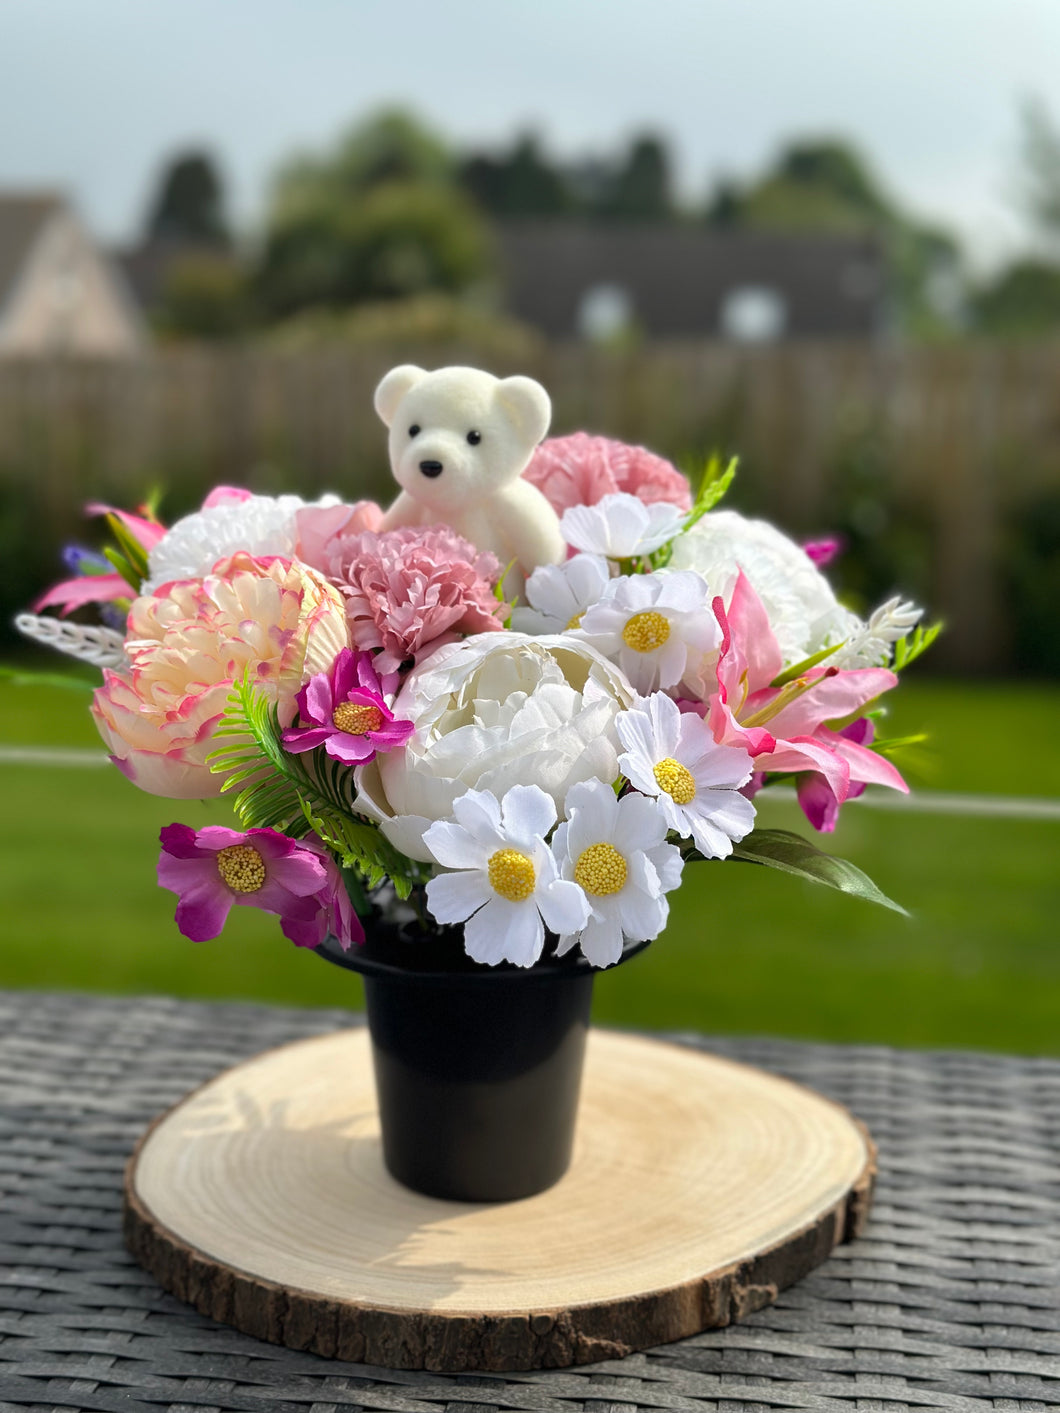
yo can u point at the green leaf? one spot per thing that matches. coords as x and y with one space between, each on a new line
124 568
804 666
887 745
791 853
132 550
909 648
713 486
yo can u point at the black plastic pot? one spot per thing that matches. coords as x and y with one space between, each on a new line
477 1069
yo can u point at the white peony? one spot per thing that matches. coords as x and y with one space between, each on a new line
803 611
260 525
497 710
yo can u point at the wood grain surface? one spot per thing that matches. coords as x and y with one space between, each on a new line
699 1188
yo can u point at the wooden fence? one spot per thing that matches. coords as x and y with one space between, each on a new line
929 453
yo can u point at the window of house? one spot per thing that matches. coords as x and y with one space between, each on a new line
754 314
605 312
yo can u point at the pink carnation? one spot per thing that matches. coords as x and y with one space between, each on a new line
409 590
581 470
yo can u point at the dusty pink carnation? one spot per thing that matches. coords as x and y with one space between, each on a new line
409 590
581 470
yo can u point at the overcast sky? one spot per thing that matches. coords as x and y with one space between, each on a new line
93 93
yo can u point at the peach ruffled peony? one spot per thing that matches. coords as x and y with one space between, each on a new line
581 470
187 643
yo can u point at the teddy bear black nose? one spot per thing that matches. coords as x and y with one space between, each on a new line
431 468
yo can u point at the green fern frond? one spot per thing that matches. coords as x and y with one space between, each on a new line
297 793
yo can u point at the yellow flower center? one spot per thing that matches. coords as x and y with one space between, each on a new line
356 720
575 622
600 870
676 779
511 874
645 632
241 867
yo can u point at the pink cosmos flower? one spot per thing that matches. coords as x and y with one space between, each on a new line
786 728
215 868
581 470
189 642
349 715
411 590
335 915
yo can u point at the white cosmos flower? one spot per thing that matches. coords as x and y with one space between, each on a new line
659 627
558 594
621 526
508 888
616 850
672 755
261 525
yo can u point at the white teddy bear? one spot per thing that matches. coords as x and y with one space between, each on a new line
459 442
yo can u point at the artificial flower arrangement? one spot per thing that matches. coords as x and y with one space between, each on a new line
525 749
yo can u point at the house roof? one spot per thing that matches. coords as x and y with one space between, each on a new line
21 220
678 277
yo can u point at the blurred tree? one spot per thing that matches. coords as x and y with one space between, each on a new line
827 186
1023 300
522 182
641 189
189 206
204 295
1041 169
381 217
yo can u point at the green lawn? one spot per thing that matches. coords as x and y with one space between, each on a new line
747 950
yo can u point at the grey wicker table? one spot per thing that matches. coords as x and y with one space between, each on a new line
951 1301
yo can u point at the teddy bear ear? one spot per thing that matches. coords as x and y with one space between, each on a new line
528 405
394 387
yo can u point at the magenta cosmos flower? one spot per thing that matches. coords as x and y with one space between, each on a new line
349 715
214 868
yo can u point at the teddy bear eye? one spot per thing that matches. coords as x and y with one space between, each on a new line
474 438
414 430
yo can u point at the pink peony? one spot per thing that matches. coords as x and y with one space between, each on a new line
189 642
581 470
409 590
317 525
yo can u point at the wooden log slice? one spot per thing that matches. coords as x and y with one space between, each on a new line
699 1189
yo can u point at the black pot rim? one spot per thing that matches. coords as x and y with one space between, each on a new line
359 958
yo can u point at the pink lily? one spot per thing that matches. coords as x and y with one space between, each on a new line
101 588
85 588
788 728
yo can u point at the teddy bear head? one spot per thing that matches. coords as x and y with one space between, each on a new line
458 434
